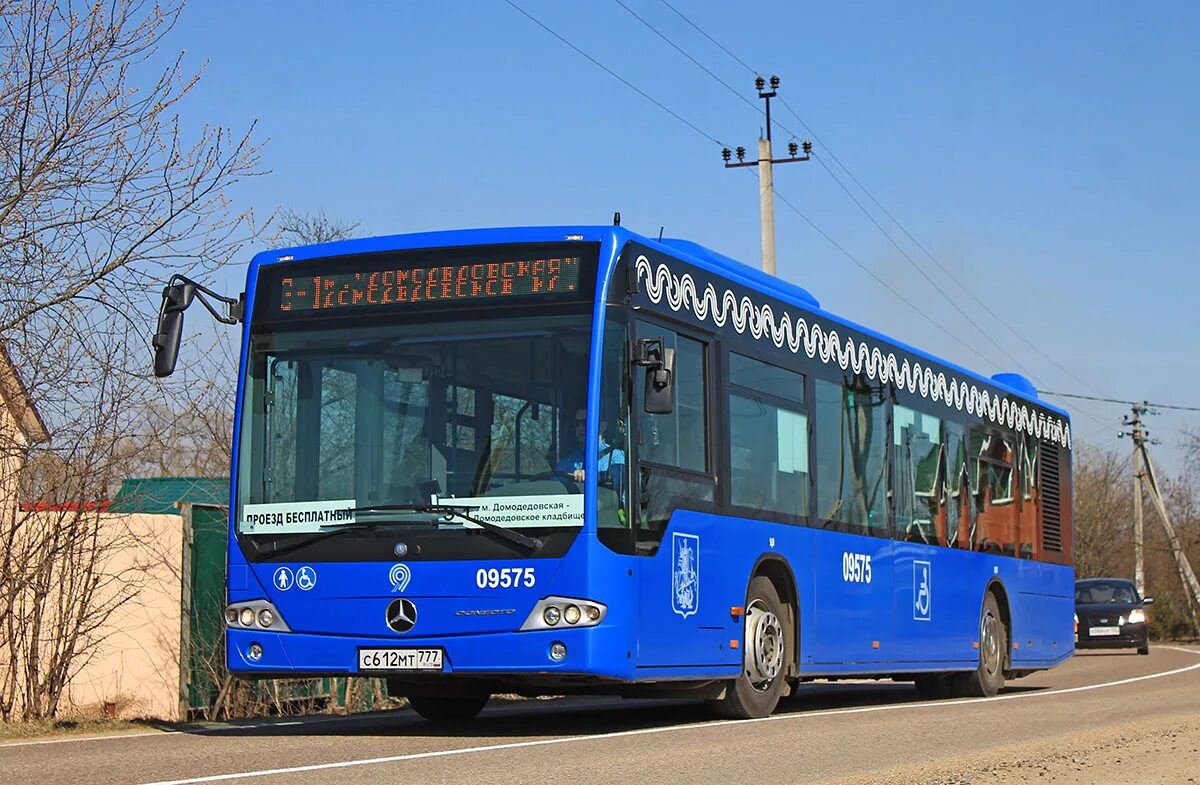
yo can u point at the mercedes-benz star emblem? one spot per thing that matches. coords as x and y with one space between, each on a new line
401 615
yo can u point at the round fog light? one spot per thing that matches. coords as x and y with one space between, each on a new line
558 651
265 618
255 652
551 615
247 617
571 614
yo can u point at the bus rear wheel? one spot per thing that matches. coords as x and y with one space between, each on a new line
767 651
987 679
448 708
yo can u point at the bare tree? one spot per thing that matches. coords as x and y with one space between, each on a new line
99 185
102 193
1103 493
308 228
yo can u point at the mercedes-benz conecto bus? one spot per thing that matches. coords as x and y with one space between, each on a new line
577 460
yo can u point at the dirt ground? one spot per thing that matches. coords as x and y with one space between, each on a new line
1166 753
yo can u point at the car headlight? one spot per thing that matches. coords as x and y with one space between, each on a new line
1137 616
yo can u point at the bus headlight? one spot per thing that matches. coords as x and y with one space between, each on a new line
579 613
255 612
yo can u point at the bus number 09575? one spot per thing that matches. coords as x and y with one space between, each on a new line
506 578
856 567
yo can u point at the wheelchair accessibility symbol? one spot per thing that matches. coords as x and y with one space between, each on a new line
922 591
306 578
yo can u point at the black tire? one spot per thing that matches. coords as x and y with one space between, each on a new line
933 685
987 679
448 708
1144 648
768 641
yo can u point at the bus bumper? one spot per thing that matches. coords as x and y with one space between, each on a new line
597 651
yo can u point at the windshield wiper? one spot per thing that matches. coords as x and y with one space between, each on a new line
333 530
460 511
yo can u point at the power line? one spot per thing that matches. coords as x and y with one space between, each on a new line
879 280
923 274
929 279
617 76
694 61
809 221
979 301
709 37
829 151
1147 404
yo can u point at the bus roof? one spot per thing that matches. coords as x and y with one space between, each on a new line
686 250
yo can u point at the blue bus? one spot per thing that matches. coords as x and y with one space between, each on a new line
565 460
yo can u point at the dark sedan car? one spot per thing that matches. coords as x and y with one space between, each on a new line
1109 614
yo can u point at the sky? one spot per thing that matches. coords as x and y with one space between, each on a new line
1043 155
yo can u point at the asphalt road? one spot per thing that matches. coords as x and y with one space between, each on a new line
862 732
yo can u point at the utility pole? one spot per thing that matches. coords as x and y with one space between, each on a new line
766 180
1144 478
1138 436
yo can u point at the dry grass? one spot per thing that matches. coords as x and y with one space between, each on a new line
14 731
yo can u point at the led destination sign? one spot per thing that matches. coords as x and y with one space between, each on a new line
370 287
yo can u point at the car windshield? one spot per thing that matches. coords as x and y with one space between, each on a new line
1106 592
420 414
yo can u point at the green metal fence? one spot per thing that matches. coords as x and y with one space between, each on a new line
207 691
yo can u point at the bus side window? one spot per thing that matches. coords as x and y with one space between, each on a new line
851 439
768 439
956 485
916 476
991 465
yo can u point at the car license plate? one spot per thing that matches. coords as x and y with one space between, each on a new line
1097 632
400 659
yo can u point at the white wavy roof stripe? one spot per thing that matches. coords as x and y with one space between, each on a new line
760 321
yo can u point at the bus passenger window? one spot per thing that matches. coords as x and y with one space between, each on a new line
851 440
916 476
956 484
991 463
768 438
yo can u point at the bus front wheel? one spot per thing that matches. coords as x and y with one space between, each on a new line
448 708
766 653
987 679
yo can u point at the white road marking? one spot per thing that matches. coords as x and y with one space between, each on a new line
668 729
106 737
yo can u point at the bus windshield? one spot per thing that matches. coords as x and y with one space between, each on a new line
477 414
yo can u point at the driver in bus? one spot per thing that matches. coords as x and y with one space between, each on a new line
611 460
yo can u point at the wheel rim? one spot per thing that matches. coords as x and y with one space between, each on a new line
989 643
764 646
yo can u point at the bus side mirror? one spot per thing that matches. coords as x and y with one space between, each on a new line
659 363
176 299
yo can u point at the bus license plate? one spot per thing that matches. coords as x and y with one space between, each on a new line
1097 632
400 659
